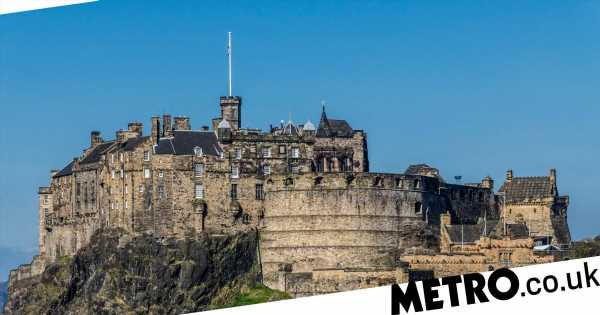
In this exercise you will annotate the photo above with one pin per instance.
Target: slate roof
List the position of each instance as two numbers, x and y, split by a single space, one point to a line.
517 230
96 153
66 171
333 128
183 142
133 143
523 188
472 232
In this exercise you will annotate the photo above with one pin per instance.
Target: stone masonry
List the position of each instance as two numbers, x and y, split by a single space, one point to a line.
326 223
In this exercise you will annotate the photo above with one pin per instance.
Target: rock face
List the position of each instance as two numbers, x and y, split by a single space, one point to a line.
118 274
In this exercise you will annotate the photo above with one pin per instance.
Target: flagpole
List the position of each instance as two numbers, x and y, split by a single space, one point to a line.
229 66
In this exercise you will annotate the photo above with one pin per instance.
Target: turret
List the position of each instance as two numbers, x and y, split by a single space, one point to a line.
487 182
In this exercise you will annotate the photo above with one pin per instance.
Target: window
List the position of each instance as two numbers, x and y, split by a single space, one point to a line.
112 174
122 173
146 156
417 184
121 157
112 205
281 149
146 172
233 192
126 205
237 153
112 158
126 189
295 169
418 207
161 191
260 193
199 191
266 152
296 153
45 212
161 174
235 171
198 169
141 188
198 151
266 169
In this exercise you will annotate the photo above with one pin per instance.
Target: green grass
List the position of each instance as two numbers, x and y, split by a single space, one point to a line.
258 294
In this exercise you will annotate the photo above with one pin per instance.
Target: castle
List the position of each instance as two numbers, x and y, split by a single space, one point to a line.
326 223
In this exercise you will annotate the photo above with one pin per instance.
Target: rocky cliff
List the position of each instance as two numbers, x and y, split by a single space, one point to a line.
121 274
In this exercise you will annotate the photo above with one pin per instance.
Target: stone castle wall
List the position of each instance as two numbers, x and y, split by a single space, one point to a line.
339 225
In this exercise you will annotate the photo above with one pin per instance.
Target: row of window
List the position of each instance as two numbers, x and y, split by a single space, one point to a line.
233 191
266 152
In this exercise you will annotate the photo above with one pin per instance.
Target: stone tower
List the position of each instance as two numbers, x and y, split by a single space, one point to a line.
231 110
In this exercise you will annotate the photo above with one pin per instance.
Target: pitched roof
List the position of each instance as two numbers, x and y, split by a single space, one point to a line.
183 142
94 155
333 128
67 170
133 143
523 188
470 233
467 233
517 230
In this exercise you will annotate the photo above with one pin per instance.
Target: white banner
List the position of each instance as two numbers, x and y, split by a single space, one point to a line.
13 6
567 287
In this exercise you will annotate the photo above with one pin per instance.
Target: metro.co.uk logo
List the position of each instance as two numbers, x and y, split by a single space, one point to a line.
502 284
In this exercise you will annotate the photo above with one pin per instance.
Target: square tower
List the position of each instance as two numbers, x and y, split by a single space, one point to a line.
231 110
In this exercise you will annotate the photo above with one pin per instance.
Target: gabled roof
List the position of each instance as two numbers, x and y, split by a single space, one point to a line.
522 188
66 171
289 129
94 155
183 142
333 128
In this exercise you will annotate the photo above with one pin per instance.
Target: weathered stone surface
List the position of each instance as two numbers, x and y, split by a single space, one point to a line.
117 274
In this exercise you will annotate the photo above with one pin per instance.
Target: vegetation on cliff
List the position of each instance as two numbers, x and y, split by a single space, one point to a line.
587 248
120 274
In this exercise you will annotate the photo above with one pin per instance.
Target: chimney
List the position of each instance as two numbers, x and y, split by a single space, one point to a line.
95 138
182 123
120 135
509 175
136 127
167 127
204 128
553 175
155 133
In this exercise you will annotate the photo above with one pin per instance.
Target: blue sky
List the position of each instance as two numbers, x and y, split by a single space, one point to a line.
473 88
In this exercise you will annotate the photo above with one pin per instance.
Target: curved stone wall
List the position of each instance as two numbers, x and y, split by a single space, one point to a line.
360 226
